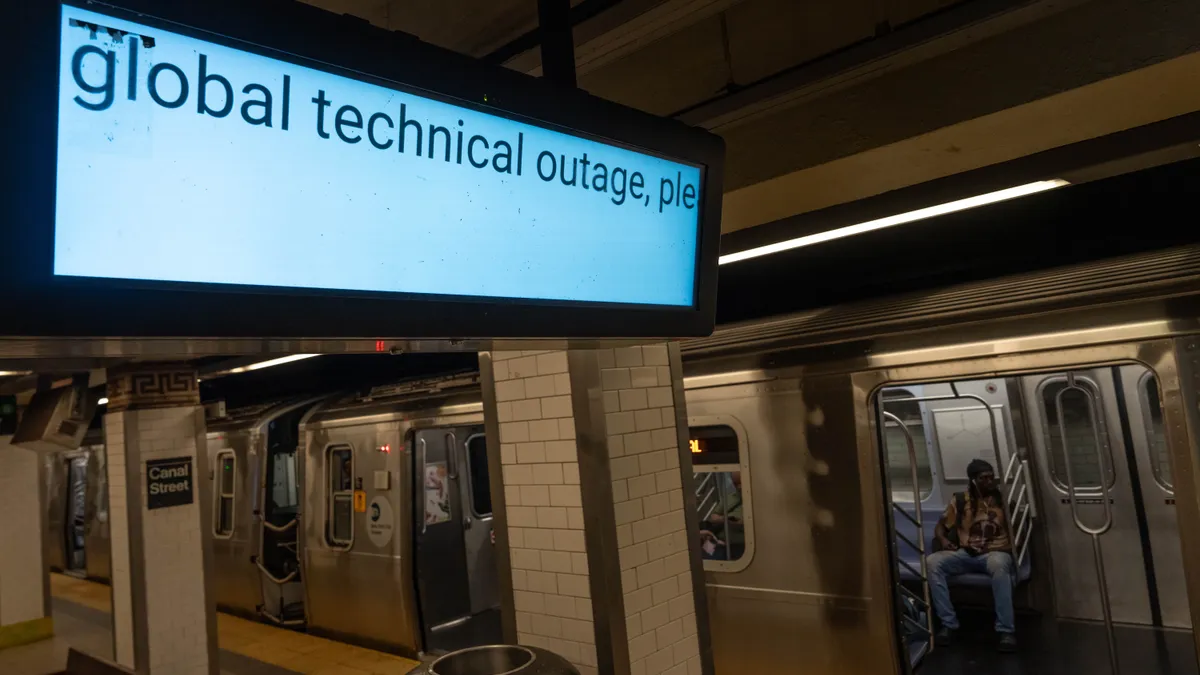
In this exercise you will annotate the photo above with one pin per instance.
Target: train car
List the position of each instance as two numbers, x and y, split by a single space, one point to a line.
397 537
824 447
828 444
77 510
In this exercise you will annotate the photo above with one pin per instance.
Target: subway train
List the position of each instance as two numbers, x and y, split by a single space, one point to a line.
825 446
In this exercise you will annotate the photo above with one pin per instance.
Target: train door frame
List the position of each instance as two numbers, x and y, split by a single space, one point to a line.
446 617
77 465
1170 359
1154 488
478 534
282 595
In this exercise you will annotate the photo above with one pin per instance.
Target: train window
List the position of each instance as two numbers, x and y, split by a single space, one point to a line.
481 486
1081 433
284 491
226 494
722 499
896 444
339 463
1160 460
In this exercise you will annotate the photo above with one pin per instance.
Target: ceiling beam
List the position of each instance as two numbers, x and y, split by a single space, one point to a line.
531 41
924 38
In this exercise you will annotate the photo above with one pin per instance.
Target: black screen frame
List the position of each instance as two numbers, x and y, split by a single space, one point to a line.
42 304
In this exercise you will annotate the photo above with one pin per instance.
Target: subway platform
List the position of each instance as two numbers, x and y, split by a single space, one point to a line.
83 621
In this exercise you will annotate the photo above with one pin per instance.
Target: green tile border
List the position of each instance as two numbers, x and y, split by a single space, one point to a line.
25 632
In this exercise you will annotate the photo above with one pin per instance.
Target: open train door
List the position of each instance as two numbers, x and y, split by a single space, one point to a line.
445 536
279 541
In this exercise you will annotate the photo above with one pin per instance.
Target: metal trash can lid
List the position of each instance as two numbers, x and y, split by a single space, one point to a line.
502 660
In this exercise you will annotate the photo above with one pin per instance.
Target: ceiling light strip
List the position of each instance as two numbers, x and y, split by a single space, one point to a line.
899 219
273 362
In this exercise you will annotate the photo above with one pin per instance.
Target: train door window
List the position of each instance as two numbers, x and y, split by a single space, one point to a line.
284 492
1081 432
722 490
480 481
899 466
1160 460
339 463
227 472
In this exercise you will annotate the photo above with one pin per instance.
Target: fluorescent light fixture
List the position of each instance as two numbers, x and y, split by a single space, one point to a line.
103 401
15 373
267 364
899 219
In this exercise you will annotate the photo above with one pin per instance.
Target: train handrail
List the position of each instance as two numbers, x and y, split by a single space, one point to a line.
267 573
701 501
280 529
451 455
917 520
1072 489
424 458
1021 508
1105 500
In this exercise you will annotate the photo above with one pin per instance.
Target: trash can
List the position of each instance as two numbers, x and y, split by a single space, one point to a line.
502 660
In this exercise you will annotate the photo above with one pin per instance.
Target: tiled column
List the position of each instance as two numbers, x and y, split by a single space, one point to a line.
164 619
24 597
595 519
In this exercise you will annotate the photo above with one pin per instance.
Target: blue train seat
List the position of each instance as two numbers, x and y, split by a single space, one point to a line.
907 554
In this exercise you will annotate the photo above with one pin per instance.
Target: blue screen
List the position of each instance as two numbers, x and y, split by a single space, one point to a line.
187 161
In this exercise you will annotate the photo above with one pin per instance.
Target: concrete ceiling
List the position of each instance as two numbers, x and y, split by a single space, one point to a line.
827 101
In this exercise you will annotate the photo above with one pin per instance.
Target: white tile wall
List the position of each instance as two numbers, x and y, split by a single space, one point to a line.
545 510
21 564
643 445
176 612
544 506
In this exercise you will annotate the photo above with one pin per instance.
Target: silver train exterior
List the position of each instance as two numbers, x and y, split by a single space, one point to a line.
818 573
403 555
818 579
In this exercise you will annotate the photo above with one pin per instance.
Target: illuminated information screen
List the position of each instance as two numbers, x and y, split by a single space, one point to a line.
183 160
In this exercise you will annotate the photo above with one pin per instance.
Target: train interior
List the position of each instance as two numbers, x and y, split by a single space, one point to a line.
1084 472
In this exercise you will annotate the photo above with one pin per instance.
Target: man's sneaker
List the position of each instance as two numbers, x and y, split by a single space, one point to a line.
944 637
1007 643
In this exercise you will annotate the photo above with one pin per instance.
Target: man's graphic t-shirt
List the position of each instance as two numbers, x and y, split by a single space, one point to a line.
983 525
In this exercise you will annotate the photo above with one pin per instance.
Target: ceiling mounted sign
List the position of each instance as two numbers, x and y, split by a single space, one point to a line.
189 161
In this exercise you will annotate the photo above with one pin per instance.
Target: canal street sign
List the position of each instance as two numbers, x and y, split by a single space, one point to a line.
169 482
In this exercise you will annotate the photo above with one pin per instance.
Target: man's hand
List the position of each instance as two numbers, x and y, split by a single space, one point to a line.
948 545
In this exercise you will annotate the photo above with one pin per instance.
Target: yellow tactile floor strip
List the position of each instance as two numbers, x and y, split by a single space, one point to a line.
284 648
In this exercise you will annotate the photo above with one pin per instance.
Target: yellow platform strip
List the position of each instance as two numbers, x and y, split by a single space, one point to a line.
26 632
277 646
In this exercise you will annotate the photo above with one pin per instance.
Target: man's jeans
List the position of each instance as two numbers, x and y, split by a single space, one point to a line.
997 564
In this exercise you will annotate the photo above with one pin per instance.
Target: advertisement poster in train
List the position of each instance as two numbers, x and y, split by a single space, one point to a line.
437 494
379 522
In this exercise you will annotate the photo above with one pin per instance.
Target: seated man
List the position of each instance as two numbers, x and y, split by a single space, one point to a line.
974 541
